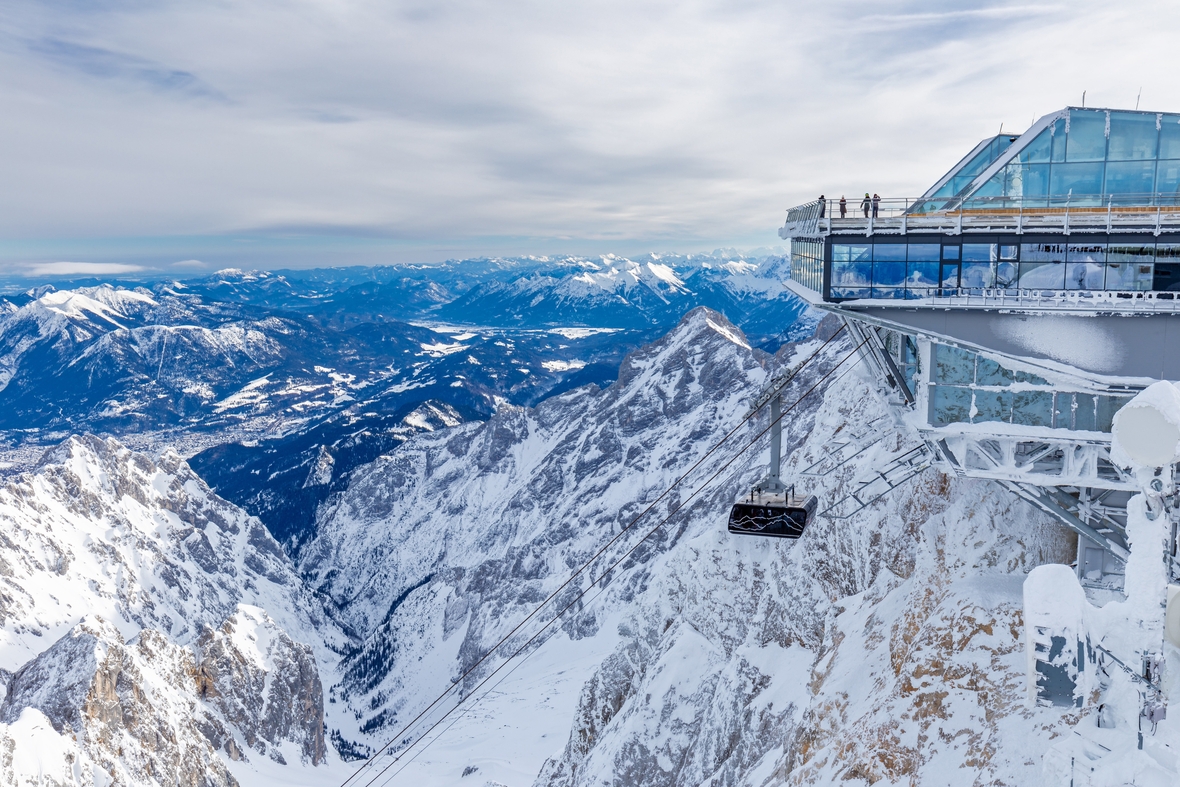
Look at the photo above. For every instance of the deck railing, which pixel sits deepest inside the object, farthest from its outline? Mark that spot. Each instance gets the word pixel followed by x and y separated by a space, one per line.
pixel 1089 301
pixel 1137 213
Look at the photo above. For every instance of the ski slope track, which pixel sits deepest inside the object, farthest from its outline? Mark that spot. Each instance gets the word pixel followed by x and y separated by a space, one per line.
pixel 882 649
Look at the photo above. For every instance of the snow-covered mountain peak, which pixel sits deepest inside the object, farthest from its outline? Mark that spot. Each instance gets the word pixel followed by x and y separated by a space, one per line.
pixel 143 543
pixel 105 302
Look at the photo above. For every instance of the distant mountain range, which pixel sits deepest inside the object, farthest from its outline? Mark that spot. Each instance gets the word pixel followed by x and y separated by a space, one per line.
pixel 279 384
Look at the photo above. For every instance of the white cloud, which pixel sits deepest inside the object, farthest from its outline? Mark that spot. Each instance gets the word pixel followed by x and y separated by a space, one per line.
pixel 81 268
pixel 461 125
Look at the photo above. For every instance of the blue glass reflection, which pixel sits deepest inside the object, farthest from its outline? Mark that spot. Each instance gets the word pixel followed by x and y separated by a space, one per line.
pixel 1133 136
pixel 1087 136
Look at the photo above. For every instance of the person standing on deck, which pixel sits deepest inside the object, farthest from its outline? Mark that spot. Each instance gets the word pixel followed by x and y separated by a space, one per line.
pixel 823 205
pixel 866 203
pixel 843 206
pixel 876 203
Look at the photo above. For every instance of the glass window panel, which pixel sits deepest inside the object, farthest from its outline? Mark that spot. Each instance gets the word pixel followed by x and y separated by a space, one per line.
pixel 1058 135
pixel 922 274
pixel 950 275
pixel 1063 411
pixel 992 406
pixel 949 405
pixel 950 252
pixel 1084 413
pixel 1076 180
pixel 850 292
pixel 1006 275
pixel 1132 136
pixel 1167 252
pixel 1014 181
pixel 1033 408
pixel 953 366
pixel 923 252
pixel 1037 151
pixel 1035 181
pixel 888 274
pixel 1042 275
pixel 1129 276
pixel 845 252
pixel 1166 276
pixel 889 293
pixel 1169 136
pixel 1130 177
pixel 1106 407
pixel 1009 252
pixel 1167 181
pixel 1086 252
pixel 889 251
pixel 978 275
pixel 1130 252
pixel 1029 377
pixel 851 274
pixel 988 372
pixel 979 252
pixel 1084 275
pixel 1087 135
pixel 1042 252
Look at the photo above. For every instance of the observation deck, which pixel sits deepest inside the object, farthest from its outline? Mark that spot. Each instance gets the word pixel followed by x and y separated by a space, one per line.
pixel 1013 308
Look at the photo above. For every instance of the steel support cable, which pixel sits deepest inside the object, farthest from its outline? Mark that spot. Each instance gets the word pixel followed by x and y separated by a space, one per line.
pixel 613 566
pixel 471 701
pixel 458 681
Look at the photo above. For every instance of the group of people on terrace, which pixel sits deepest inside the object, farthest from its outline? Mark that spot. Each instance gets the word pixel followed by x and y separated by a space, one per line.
pixel 868 205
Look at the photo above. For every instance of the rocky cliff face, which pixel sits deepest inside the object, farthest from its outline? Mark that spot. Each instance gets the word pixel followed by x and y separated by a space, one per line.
pixel 263 684
pixel 174 670
pixel 125 713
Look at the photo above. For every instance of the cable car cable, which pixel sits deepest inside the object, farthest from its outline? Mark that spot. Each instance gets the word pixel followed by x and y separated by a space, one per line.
pixel 612 567
pixel 585 565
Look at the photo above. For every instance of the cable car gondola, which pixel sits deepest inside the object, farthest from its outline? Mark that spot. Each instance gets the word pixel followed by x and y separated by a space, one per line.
pixel 778 514
pixel 772 509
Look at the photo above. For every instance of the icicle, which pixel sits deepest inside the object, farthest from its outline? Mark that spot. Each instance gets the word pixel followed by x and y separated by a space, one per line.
pixel 1067 114
pixel 1107 124
pixel 1159 120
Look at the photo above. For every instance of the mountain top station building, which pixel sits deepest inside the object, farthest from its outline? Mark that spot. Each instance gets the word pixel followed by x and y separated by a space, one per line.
pixel 1014 307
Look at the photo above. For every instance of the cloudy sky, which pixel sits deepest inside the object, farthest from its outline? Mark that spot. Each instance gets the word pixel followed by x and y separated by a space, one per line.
pixel 188 135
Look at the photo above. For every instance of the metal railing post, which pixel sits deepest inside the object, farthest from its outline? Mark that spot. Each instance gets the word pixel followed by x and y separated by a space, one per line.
pixel 1109 202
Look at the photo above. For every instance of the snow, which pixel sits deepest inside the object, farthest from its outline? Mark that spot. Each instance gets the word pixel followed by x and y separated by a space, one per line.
pixel 563 366
pixel 1081 342
pixel 1146 430
pixel 35 753
pixel 439 349
pixel 249 394
pixel 581 333
pixel 729 333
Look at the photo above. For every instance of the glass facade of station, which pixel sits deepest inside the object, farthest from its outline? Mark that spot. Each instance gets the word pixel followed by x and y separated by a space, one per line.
pixel 1090 157
pixel 973 165
pixel 966 387
pixel 807 263
pixel 891 268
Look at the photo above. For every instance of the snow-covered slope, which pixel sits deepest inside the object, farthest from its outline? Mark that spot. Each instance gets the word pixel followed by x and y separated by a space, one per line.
pixel 885 646
pixel 132 624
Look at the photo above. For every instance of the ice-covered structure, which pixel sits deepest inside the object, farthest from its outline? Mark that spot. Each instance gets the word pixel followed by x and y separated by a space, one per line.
pixel 1022 318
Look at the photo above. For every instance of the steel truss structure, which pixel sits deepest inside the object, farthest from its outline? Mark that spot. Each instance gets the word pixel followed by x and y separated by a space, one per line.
pixel 1069 476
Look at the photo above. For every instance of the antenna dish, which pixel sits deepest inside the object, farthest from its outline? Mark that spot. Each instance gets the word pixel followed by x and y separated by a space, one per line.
pixel 1147 429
